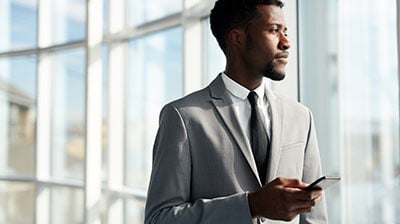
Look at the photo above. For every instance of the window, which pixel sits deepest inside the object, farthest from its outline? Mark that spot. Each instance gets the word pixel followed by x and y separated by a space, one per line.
pixel 68 119
pixel 152 52
pixel 69 21
pixel 154 77
pixel 214 57
pixel 104 54
pixel 350 60
pixel 141 11
pixel 67 205
pixel 18 109
pixel 18 24
pixel 17 202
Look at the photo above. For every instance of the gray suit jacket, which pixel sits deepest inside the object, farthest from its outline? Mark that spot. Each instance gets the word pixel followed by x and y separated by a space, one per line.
pixel 203 166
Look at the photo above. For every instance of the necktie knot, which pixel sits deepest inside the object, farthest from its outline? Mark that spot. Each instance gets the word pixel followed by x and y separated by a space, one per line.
pixel 253 98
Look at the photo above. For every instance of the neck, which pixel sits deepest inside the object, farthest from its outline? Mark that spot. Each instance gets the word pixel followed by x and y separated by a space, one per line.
pixel 245 77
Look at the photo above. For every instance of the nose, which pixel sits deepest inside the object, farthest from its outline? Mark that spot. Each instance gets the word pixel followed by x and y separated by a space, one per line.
pixel 284 43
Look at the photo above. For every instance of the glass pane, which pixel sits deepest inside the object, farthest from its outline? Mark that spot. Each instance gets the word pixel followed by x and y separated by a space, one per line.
pixel 214 56
pixel 134 211
pixel 105 114
pixel 351 84
pixel 18 115
pixel 67 205
pixel 105 16
pixel 68 115
pixel 154 77
pixel 141 11
pixel 370 113
pixel 17 202
pixel 18 24
pixel 69 22
pixel 318 55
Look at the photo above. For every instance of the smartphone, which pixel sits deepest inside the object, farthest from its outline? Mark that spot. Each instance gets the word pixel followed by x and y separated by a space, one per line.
pixel 322 183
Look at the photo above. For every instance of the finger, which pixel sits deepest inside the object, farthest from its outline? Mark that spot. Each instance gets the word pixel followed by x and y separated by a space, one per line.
pixel 301 204
pixel 306 204
pixel 303 210
pixel 293 203
pixel 292 183
pixel 316 194
pixel 299 194
pixel 317 199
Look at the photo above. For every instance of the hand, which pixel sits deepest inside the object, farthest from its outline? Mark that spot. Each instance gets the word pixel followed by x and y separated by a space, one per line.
pixel 283 199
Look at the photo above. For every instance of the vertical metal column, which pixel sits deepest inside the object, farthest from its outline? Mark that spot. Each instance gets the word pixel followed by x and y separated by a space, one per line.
pixel 93 157
pixel 44 105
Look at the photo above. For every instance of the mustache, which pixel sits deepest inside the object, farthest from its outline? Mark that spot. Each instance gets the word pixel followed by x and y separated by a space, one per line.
pixel 284 54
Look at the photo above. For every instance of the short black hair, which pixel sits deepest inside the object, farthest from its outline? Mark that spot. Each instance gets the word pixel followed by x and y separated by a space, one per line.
pixel 230 14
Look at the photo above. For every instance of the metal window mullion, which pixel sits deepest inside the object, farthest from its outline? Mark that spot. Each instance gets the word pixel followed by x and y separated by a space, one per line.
pixel 192 49
pixel 44 105
pixel 145 29
pixel 93 155
pixel 48 49
pixel 116 127
pixel 49 183
pixel 398 55
pixel 116 72
pixel 43 156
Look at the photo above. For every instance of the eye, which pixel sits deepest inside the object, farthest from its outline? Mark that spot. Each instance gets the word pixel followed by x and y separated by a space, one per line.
pixel 274 30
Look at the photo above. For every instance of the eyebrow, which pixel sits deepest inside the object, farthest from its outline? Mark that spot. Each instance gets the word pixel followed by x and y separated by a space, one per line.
pixel 280 26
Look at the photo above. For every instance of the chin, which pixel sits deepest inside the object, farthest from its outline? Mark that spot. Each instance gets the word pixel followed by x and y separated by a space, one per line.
pixel 275 75
pixel 272 72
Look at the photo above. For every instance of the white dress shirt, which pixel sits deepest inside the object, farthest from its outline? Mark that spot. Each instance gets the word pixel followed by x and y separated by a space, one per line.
pixel 242 107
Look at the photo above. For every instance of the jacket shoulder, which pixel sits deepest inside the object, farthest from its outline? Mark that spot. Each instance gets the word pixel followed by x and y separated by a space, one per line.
pixel 194 99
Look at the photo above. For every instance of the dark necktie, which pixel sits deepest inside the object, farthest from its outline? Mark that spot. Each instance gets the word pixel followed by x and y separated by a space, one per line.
pixel 258 137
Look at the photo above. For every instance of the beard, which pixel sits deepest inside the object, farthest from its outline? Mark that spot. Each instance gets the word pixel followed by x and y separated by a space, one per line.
pixel 271 72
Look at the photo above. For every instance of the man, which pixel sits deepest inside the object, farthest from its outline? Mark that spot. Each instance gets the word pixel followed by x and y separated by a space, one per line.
pixel 223 156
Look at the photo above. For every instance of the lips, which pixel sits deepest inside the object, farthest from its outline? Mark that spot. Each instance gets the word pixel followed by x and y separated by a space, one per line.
pixel 282 55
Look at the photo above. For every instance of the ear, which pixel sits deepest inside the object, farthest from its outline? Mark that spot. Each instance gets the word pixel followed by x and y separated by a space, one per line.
pixel 237 38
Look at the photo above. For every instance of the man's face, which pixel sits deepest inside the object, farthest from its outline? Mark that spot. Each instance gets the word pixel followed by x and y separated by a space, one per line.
pixel 267 43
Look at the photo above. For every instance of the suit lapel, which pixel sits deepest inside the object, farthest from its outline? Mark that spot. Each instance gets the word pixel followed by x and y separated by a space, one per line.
pixel 277 118
pixel 223 105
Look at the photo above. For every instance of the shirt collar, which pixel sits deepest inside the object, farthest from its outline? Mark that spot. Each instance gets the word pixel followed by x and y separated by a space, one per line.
pixel 240 91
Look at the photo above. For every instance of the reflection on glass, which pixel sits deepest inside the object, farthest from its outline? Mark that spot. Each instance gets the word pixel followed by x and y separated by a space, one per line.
pixel 68 114
pixel 18 24
pixel 17 202
pixel 141 11
pixel 154 77
pixel 215 58
pixel 67 205
pixel 18 115
pixel 355 77
pixel 134 211
pixel 69 20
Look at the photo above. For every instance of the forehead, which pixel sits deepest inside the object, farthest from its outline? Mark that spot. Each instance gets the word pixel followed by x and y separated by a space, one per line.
pixel 270 14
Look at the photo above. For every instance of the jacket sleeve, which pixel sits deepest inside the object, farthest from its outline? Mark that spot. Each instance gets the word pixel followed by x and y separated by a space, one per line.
pixel 312 171
pixel 169 194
